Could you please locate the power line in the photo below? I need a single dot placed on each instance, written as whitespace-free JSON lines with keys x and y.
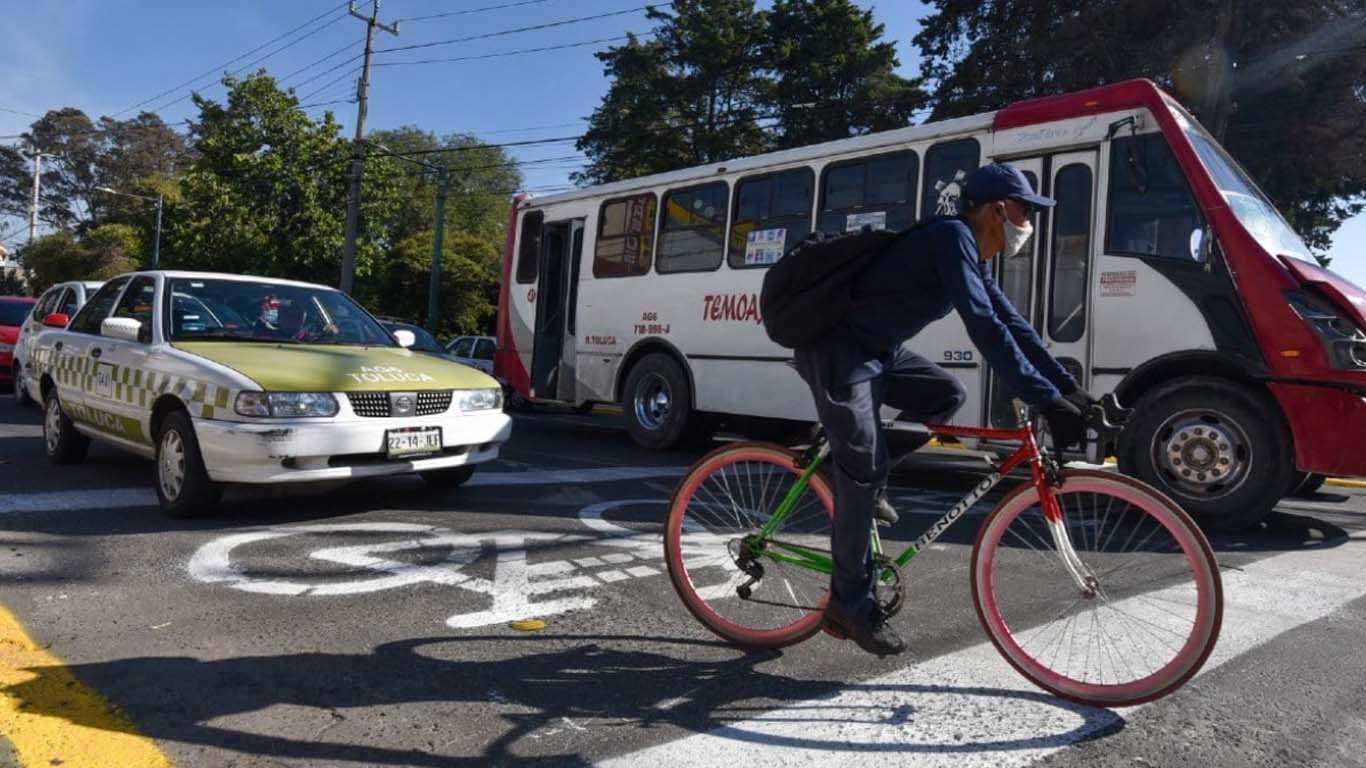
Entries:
{"x":230,"y":62}
{"x":517,"y":30}
{"x":327,"y":103}
{"x":506,"y":53}
{"x":343,"y":76}
{"x":316,"y":62}
{"x":473,"y":10}
{"x":20,"y":112}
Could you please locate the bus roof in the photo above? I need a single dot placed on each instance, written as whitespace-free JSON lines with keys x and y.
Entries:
{"x":1106,"y":98}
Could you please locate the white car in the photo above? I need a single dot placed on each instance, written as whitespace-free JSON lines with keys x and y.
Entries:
{"x":238,"y":379}
{"x":63,"y":300}
{"x":474,"y":351}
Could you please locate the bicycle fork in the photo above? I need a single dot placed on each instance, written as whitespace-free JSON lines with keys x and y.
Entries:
{"x":1082,"y":576}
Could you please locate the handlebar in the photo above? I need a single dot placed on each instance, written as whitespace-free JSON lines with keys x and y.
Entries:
{"x":1108,"y":417}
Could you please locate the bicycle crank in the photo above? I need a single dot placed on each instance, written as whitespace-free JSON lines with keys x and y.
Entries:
{"x":890,"y":590}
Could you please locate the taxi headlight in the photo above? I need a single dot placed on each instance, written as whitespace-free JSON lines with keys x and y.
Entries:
{"x":286,"y":404}
{"x":479,"y":399}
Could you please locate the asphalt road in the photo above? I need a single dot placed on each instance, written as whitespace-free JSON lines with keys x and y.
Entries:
{"x":371,"y":625}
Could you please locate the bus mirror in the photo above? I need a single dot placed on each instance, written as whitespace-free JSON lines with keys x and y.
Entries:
{"x":1200,"y":245}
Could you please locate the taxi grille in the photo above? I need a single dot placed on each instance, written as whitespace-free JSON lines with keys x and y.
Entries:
{"x":376,"y":404}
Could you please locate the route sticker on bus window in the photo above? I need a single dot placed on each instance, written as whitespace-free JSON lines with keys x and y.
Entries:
{"x":873,"y":220}
{"x":765,"y":246}
{"x":1118,"y":283}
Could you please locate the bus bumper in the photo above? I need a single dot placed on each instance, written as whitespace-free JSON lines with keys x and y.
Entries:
{"x":1328,"y":425}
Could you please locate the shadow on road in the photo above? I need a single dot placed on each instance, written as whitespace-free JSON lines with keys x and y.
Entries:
{"x":581,"y":682}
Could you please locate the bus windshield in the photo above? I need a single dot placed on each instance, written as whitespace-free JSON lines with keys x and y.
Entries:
{"x":1244,"y":198}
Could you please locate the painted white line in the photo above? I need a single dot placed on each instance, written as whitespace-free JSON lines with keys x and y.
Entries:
{"x":969,"y":708}
{"x":113,"y":498}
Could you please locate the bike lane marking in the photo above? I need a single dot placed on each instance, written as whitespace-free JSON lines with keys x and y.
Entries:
{"x":51,"y":718}
{"x":969,"y":708}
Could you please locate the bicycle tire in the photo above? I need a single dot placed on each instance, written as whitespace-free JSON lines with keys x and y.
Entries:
{"x":1149,"y":607}
{"x":701,"y":546}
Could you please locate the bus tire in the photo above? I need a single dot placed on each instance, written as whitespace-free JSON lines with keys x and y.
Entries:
{"x":656,"y":403}
{"x":1208,"y":443}
{"x":1304,"y":485}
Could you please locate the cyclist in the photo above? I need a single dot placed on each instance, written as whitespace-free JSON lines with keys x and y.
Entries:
{"x":868,"y":362}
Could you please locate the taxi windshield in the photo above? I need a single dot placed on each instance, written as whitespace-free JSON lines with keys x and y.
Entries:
{"x":1251,"y":207}
{"x":240,"y":310}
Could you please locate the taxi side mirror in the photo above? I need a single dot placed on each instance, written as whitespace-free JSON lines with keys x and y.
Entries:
{"x":405,"y":338}
{"x":56,"y":320}
{"x":121,"y":328}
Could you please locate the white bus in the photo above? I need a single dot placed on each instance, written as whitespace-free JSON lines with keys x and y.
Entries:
{"x":1162,"y":275}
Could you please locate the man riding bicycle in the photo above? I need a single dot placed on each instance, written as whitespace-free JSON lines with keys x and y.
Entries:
{"x":867,"y":362}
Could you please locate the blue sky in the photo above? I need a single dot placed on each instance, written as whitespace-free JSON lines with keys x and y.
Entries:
{"x":105,"y":57}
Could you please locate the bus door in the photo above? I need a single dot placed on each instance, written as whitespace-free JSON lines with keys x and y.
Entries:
{"x":552,"y":355}
{"x":1051,"y":286}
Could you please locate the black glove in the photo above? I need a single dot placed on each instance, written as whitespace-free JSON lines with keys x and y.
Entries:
{"x":1082,"y":399}
{"x":1065,"y":423}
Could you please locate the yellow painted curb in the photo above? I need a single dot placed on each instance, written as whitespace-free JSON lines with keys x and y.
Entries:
{"x":1343,"y":482}
{"x":528,"y":625}
{"x":51,"y":718}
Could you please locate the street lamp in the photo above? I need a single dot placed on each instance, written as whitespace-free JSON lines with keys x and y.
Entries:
{"x":156,"y":244}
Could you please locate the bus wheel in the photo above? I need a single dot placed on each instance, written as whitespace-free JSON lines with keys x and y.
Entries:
{"x":1304,"y":485}
{"x":657,"y":403}
{"x":1209,"y":444}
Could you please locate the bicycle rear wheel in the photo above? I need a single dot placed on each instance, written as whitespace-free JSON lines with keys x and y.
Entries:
{"x":1143,"y":625}
{"x":739,"y":587}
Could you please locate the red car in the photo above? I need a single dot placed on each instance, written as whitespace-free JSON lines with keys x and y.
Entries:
{"x":13,"y":311}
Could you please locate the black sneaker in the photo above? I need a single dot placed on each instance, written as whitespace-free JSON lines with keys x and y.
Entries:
{"x":875,"y":636}
{"x":883,"y":511}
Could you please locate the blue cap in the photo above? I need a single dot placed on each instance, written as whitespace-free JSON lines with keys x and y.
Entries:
{"x":1000,"y":181}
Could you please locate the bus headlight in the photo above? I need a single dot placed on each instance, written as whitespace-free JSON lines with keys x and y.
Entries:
{"x":1342,"y":340}
{"x":479,"y":399}
{"x":286,"y":405}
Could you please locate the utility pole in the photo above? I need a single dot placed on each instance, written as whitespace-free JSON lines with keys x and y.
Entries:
{"x":33,"y":207}
{"x":156,"y":244}
{"x":434,"y":289}
{"x":358,"y":147}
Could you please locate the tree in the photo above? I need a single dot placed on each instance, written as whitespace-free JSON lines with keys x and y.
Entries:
{"x":834,"y":75}
{"x":1282,"y":83}
{"x":103,"y":253}
{"x":691,"y":96}
{"x":469,"y":282}
{"x":11,"y":284}
{"x":266,"y":193}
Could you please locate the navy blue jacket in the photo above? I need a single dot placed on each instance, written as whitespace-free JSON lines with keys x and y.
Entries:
{"x":932,"y":270}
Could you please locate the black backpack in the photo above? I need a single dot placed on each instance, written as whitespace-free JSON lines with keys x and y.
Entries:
{"x":809,"y":291}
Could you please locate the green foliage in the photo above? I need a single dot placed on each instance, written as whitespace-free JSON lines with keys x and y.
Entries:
{"x":698,"y":91}
{"x":267,"y":192}
{"x":469,"y":289}
{"x":11,"y":284}
{"x":1280,"y":82}
{"x":102,"y":253}
{"x":835,"y":77}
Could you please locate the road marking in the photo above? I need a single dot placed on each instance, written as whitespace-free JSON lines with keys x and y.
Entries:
{"x":969,"y":708}
{"x":51,"y":718}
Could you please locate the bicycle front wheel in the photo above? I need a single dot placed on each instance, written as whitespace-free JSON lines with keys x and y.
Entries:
{"x":752,"y":590}
{"x":1129,"y":619}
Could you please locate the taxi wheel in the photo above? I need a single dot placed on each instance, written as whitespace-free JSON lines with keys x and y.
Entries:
{"x":183,"y":485}
{"x":21,"y":397}
{"x":64,"y":445}
{"x":448,"y":478}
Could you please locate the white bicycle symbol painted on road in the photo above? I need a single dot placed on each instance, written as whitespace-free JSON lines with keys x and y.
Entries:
{"x":512,"y":593}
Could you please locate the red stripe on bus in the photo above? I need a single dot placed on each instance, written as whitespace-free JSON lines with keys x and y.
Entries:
{"x":507,"y":364}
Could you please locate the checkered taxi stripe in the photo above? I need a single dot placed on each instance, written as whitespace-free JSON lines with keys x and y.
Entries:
{"x":136,"y":386}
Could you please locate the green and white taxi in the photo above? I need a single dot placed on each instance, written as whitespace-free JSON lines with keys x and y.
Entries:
{"x":237,"y":379}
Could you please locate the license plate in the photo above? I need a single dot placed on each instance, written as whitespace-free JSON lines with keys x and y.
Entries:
{"x":412,"y":441}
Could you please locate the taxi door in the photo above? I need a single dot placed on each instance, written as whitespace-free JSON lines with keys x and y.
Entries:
{"x":68,"y":350}
{"x":116,"y":390}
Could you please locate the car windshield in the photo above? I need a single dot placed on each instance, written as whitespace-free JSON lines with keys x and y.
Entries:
{"x":1252,"y":208}
{"x":14,"y":312}
{"x":243,"y":310}
{"x":425,"y":342}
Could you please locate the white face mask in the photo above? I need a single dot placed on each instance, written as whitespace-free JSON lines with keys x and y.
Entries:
{"x":1016,"y":237}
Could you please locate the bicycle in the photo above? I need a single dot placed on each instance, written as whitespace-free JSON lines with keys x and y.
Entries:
{"x":747,"y":547}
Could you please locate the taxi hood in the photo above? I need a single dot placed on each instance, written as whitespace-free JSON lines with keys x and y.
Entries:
{"x":324,"y":368}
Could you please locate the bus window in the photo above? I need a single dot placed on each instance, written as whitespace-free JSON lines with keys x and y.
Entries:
{"x":946,"y":165}
{"x":1071,"y":248}
{"x":626,"y":234}
{"x":1151,"y":209}
{"x":692,"y":234}
{"x":878,"y":192}
{"x":772,"y":215}
{"x":529,"y":247}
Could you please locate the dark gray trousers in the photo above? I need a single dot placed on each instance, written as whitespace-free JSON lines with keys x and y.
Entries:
{"x":923,"y":392}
